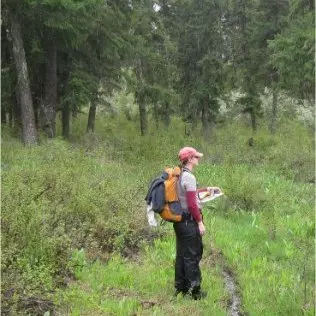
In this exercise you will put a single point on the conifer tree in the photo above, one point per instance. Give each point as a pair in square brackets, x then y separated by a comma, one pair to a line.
[269, 21]
[293, 51]
[244, 57]
[200, 60]
[152, 65]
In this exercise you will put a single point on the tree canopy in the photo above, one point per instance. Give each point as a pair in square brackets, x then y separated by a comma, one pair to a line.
[175, 56]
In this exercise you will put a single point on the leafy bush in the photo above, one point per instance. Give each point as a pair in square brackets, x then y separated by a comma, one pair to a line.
[89, 194]
[54, 199]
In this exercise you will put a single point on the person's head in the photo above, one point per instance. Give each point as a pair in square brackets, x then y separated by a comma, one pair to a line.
[189, 157]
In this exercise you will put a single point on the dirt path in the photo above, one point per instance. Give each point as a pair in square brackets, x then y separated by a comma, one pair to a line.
[234, 303]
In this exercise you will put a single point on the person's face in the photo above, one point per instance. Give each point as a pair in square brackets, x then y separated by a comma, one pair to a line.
[194, 160]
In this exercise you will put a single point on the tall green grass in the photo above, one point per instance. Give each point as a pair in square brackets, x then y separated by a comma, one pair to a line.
[87, 193]
[123, 287]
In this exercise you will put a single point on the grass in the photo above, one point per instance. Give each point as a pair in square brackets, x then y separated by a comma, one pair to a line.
[74, 229]
[122, 287]
[268, 239]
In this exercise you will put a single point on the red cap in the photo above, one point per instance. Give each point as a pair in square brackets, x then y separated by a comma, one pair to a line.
[186, 153]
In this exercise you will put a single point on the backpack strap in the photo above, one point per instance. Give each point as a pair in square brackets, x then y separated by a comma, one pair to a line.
[185, 169]
[181, 173]
[188, 170]
[180, 179]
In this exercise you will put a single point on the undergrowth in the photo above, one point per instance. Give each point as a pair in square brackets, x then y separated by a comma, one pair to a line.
[74, 230]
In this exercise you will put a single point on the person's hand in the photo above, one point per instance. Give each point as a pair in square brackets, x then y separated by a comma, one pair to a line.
[214, 190]
[201, 228]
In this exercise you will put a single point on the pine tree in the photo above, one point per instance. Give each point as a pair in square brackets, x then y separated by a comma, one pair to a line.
[293, 51]
[268, 23]
[200, 60]
[152, 65]
[244, 57]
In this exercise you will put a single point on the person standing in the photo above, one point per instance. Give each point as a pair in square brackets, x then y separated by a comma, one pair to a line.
[189, 246]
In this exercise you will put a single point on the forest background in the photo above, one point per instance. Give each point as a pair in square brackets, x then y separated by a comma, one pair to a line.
[98, 96]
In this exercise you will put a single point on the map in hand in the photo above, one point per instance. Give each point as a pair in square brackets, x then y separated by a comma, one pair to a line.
[206, 195]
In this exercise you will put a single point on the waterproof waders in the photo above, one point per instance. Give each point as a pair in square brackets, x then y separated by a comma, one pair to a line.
[189, 253]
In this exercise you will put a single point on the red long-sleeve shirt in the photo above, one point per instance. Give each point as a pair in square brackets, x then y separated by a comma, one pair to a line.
[192, 205]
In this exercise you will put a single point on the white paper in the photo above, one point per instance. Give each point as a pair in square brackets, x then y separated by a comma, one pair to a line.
[204, 199]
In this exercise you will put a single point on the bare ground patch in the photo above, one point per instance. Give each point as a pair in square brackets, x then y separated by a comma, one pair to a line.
[233, 303]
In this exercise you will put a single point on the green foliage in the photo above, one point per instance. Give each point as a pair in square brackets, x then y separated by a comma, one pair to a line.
[61, 197]
[88, 194]
[55, 199]
[82, 87]
[175, 61]
[119, 288]
[293, 54]
[77, 261]
[152, 64]
[199, 59]
[7, 83]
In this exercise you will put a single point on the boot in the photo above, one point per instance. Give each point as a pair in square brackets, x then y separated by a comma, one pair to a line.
[183, 291]
[196, 293]
[199, 295]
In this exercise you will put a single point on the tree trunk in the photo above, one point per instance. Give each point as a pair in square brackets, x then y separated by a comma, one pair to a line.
[205, 119]
[166, 115]
[91, 119]
[16, 109]
[66, 120]
[274, 111]
[38, 90]
[194, 120]
[47, 116]
[3, 115]
[127, 114]
[11, 117]
[37, 105]
[142, 117]
[253, 119]
[156, 116]
[29, 132]
[139, 97]
[74, 112]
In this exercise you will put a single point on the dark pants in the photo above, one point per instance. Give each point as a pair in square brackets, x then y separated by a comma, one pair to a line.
[189, 253]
